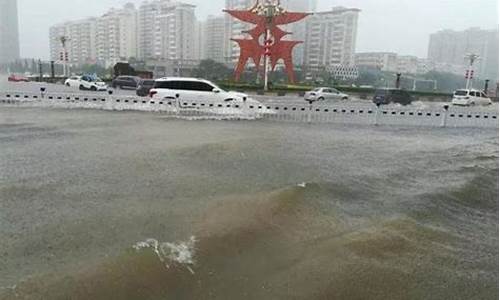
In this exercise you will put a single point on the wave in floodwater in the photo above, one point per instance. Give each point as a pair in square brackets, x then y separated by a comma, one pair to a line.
[284, 244]
[171, 110]
[182, 253]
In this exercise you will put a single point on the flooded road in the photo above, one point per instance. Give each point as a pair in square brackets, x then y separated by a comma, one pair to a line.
[128, 205]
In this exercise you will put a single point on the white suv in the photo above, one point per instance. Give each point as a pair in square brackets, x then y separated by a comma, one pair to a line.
[193, 89]
[86, 83]
[470, 97]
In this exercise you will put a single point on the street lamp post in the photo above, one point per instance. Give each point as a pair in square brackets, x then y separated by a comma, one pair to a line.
[52, 70]
[472, 58]
[398, 80]
[486, 86]
[40, 70]
[269, 12]
[64, 56]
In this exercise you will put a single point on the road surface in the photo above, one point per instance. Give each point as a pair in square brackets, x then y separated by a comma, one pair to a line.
[289, 99]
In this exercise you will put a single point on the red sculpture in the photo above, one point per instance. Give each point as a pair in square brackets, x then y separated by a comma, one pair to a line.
[267, 17]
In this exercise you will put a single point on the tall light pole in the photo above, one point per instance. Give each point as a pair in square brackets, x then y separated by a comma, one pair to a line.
[270, 11]
[40, 70]
[64, 55]
[471, 58]
[398, 80]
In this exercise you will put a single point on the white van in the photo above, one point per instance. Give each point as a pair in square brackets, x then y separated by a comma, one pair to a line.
[192, 89]
[470, 97]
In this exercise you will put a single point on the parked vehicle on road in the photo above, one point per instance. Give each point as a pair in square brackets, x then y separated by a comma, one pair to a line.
[470, 98]
[193, 89]
[325, 93]
[73, 81]
[144, 86]
[86, 82]
[17, 78]
[388, 96]
[126, 82]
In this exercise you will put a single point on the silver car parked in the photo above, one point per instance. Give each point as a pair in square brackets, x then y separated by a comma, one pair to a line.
[325, 93]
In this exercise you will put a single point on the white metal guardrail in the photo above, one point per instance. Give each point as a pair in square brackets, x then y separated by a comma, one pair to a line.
[342, 113]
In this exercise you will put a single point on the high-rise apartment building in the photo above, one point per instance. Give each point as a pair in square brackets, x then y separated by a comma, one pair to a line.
[166, 30]
[158, 30]
[331, 38]
[383, 61]
[392, 62]
[147, 20]
[298, 29]
[215, 38]
[300, 5]
[234, 29]
[116, 35]
[200, 31]
[9, 31]
[448, 48]
[81, 41]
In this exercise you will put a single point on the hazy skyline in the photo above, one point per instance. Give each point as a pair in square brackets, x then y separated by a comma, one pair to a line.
[401, 26]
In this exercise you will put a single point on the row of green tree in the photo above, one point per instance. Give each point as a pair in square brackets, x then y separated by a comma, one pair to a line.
[431, 81]
[215, 71]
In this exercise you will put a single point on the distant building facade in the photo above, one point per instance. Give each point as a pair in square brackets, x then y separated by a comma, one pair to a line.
[300, 5]
[200, 40]
[116, 35]
[383, 61]
[392, 62]
[448, 48]
[298, 30]
[9, 31]
[407, 64]
[166, 30]
[157, 30]
[81, 41]
[331, 38]
[215, 38]
[234, 28]
[343, 72]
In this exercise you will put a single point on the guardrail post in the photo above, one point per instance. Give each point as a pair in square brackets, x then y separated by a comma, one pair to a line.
[445, 116]
[178, 103]
[244, 107]
[377, 114]
[309, 114]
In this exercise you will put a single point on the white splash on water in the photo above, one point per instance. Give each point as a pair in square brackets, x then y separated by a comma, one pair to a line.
[133, 104]
[12, 289]
[420, 105]
[182, 252]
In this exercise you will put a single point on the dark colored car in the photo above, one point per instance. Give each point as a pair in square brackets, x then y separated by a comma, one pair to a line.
[144, 86]
[126, 82]
[387, 96]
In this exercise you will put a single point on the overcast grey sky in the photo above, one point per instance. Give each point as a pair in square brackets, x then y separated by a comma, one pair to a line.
[401, 26]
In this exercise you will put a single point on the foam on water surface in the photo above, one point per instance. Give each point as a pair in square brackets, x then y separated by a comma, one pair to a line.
[182, 252]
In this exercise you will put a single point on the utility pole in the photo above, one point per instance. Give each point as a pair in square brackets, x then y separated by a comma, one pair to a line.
[270, 11]
[472, 58]
[266, 61]
[64, 55]
[398, 80]
[486, 86]
[40, 69]
[52, 70]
